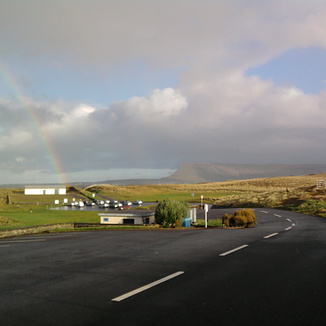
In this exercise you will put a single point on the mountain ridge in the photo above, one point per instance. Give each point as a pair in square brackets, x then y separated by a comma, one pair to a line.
[211, 172]
[216, 172]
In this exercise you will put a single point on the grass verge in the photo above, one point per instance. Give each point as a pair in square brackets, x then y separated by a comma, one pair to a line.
[211, 223]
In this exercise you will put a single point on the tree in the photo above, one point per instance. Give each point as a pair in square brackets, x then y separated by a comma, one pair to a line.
[170, 213]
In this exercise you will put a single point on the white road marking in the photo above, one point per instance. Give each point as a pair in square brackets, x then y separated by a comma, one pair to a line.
[277, 215]
[146, 287]
[288, 220]
[233, 250]
[264, 212]
[289, 228]
[270, 235]
[293, 224]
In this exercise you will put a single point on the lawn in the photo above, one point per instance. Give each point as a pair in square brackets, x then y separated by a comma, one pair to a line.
[31, 215]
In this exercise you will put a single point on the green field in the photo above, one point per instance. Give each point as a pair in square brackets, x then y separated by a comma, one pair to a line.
[32, 215]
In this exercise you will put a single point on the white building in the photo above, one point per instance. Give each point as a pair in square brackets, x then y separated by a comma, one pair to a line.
[138, 218]
[45, 190]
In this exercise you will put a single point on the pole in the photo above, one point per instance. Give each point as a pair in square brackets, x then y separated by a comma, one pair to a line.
[206, 210]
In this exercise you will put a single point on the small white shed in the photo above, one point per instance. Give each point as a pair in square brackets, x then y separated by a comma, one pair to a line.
[45, 190]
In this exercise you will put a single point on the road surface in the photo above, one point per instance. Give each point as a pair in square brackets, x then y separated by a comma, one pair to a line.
[272, 274]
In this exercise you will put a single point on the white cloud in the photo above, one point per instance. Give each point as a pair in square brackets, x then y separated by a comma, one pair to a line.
[82, 111]
[159, 106]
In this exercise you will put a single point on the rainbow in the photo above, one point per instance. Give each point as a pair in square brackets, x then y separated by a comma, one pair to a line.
[54, 165]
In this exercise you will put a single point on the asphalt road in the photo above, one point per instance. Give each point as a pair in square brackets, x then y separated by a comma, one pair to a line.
[272, 274]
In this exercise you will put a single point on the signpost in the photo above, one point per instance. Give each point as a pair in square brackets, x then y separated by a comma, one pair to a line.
[206, 210]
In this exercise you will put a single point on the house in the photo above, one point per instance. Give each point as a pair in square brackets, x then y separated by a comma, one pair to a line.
[139, 218]
[45, 190]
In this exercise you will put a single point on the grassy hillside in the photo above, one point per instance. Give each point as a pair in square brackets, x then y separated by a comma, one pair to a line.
[298, 193]
[153, 193]
[212, 191]
[292, 192]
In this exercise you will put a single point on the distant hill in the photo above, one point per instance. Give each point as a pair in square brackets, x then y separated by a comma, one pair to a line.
[213, 172]
[89, 183]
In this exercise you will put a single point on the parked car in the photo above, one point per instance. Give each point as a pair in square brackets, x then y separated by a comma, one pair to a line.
[137, 202]
[113, 205]
[126, 203]
[80, 204]
[104, 205]
[124, 207]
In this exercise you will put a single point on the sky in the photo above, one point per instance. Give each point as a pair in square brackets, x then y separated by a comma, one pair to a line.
[95, 90]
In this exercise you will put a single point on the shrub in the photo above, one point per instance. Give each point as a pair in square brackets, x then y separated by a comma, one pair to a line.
[170, 213]
[242, 218]
[226, 219]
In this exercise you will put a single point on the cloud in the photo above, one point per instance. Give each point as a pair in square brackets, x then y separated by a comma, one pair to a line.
[213, 113]
[161, 105]
[257, 124]
[169, 33]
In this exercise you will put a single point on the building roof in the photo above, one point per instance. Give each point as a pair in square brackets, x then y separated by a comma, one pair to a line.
[45, 187]
[134, 213]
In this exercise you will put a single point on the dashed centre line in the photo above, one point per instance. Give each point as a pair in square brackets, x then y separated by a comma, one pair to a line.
[277, 215]
[270, 235]
[289, 228]
[233, 250]
[146, 287]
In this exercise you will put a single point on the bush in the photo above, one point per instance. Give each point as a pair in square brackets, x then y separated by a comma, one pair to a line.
[170, 213]
[226, 219]
[242, 218]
